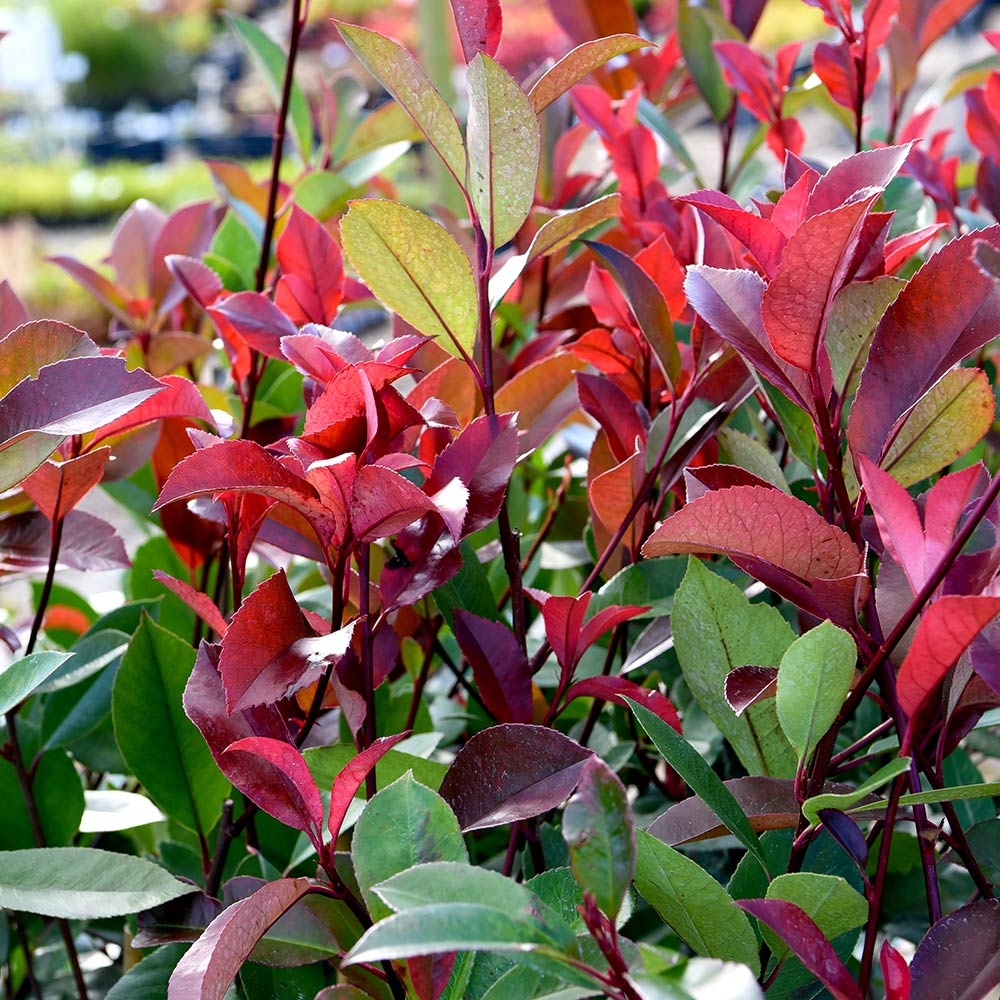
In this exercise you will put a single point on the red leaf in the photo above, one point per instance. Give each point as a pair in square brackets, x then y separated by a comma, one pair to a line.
[605, 620]
[797, 929]
[923, 334]
[202, 605]
[384, 503]
[563, 618]
[198, 279]
[181, 398]
[29, 347]
[57, 487]
[745, 686]
[945, 630]
[813, 268]
[776, 538]
[312, 266]
[499, 666]
[348, 781]
[186, 232]
[852, 176]
[614, 411]
[12, 311]
[295, 801]
[257, 320]
[103, 290]
[209, 967]
[901, 248]
[895, 973]
[617, 689]
[480, 25]
[511, 772]
[482, 456]
[132, 243]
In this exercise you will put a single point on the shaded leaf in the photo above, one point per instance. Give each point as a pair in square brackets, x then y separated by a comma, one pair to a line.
[499, 666]
[511, 772]
[960, 955]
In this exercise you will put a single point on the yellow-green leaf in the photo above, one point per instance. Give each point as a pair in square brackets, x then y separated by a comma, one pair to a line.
[415, 268]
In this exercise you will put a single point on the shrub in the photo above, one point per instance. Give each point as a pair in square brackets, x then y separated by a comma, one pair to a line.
[624, 624]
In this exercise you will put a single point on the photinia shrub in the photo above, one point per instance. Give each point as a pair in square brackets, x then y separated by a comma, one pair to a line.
[618, 619]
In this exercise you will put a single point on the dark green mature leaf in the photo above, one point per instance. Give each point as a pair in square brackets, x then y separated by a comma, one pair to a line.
[694, 904]
[90, 654]
[58, 795]
[82, 883]
[161, 746]
[25, 675]
[148, 980]
[271, 61]
[72, 713]
[814, 679]
[704, 782]
[833, 905]
[717, 629]
[651, 583]
[504, 143]
[469, 589]
[416, 268]
[600, 830]
[406, 824]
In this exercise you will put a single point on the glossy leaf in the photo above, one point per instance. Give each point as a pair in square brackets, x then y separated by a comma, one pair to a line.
[944, 632]
[960, 955]
[920, 337]
[504, 144]
[23, 676]
[814, 679]
[403, 825]
[716, 630]
[704, 782]
[57, 487]
[350, 778]
[578, 64]
[480, 25]
[499, 666]
[599, 828]
[895, 973]
[271, 61]
[812, 807]
[209, 967]
[400, 74]
[777, 538]
[202, 605]
[58, 796]
[415, 268]
[109, 810]
[617, 689]
[808, 943]
[159, 743]
[828, 901]
[747, 685]
[312, 270]
[511, 772]
[693, 903]
[30, 346]
[82, 883]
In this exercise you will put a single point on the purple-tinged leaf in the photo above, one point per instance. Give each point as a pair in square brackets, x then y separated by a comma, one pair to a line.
[797, 929]
[847, 833]
[201, 604]
[511, 772]
[384, 502]
[96, 284]
[959, 956]
[579, 63]
[480, 25]
[12, 311]
[188, 231]
[872, 168]
[745, 686]
[647, 304]
[31, 346]
[499, 666]
[180, 399]
[181, 919]
[612, 408]
[198, 279]
[257, 320]
[295, 801]
[925, 332]
[600, 831]
[349, 780]
[210, 966]
[944, 632]
[814, 266]
[617, 689]
[57, 487]
[88, 543]
[132, 242]
[895, 973]
[778, 539]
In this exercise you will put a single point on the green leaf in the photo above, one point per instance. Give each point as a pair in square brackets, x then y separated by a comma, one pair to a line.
[58, 794]
[416, 268]
[814, 679]
[695, 34]
[844, 800]
[234, 254]
[504, 141]
[73, 713]
[270, 60]
[324, 194]
[82, 883]
[23, 676]
[740, 449]
[704, 782]
[651, 583]
[960, 793]
[399, 73]
[853, 317]
[469, 589]
[325, 763]
[161, 746]
[694, 904]
[406, 824]
[717, 629]
[834, 906]
[148, 979]
[946, 423]
[796, 424]
[600, 830]
[90, 654]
